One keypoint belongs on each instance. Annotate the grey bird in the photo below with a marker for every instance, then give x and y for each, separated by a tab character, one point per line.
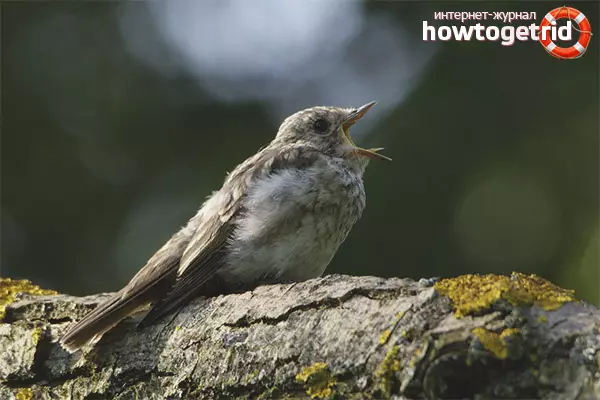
279	217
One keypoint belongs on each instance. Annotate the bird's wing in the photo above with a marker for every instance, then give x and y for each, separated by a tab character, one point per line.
207	249
204	255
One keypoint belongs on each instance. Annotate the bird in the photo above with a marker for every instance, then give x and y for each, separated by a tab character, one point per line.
279	217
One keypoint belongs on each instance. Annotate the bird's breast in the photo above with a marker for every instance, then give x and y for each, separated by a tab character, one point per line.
293	222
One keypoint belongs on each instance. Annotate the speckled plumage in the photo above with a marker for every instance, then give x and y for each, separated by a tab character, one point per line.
280	216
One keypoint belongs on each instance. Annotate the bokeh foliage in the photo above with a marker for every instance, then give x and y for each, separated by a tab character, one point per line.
495	155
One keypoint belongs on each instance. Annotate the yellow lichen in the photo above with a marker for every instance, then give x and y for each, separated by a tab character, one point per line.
10	288
24	394
473	293
317	380
248	378
386	370
542	318
399	315
385	335
416	357
37	334
494	342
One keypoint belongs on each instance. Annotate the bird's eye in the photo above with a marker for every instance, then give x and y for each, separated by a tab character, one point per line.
321	125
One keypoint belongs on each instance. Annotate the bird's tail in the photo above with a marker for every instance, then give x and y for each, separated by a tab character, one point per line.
104	317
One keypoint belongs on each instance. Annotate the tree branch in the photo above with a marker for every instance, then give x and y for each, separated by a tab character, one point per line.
337	336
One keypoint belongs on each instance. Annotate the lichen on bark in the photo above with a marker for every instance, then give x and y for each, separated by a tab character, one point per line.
334	337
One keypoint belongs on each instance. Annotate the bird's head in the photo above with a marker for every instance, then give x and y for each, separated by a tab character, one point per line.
326	129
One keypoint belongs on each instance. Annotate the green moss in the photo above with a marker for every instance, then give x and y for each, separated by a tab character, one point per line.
317	380
9	289
386	370
24	394
474	293
495	342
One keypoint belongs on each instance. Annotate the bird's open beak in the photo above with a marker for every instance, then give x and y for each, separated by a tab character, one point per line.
354	116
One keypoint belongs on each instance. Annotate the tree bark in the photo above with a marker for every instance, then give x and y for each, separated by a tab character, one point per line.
336	337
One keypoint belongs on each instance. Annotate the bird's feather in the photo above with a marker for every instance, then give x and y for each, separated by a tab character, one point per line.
207	249
180	269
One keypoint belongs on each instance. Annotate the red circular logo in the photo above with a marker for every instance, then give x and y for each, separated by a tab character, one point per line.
583	27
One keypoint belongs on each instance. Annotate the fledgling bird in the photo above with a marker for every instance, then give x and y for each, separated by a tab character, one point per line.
279	217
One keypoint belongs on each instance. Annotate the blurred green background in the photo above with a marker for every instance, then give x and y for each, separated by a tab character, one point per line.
119	118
